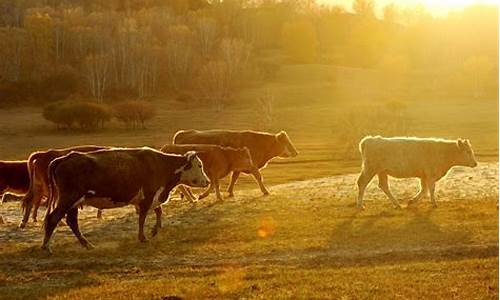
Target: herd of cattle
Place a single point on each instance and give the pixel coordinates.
(108, 177)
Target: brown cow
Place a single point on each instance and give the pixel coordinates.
(263, 147)
(14, 178)
(218, 162)
(114, 178)
(38, 164)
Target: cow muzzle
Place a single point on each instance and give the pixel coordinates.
(200, 183)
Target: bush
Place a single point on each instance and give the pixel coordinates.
(85, 115)
(133, 113)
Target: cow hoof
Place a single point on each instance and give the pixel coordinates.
(88, 245)
(266, 193)
(360, 207)
(35, 220)
(154, 231)
(230, 195)
(46, 249)
(22, 225)
(397, 206)
(143, 240)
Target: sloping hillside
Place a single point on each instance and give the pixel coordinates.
(305, 240)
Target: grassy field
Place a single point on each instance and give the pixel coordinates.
(306, 240)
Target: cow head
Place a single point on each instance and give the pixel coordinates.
(286, 146)
(466, 155)
(242, 160)
(192, 173)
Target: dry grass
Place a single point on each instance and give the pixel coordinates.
(304, 241)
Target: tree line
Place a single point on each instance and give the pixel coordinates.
(208, 50)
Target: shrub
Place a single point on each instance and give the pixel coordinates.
(85, 115)
(133, 113)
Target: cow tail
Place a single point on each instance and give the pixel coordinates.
(175, 139)
(362, 144)
(31, 175)
(52, 189)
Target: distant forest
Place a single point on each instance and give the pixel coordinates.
(111, 50)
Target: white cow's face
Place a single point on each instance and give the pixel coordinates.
(287, 146)
(466, 157)
(192, 173)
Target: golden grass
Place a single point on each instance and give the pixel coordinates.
(313, 248)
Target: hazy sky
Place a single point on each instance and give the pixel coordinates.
(436, 7)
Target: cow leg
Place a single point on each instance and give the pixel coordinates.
(363, 180)
(207, 191)
(383, 184)
(258, 177)
(72, 221)
(51, 221)
(230, 188)
(99, 214)
(157, 226)
(27, 203)
(421, 193)
(432, 186)
(35, 208)
(216, 184)
(187, 193)
(144, 207)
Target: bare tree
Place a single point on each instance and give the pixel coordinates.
(214, 83)
(97, 72)
(235, 53)
(13, 52)
(179, 55)
(206, 31)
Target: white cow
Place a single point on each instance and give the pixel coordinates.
(403, 157)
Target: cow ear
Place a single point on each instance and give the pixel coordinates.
(281, 135)
(460, 143)
(190, 155)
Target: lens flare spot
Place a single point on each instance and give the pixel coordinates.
(267, 227)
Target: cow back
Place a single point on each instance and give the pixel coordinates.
(262, 146)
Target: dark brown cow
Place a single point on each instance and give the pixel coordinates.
(114, 178)
(218, 162)
(263, 147)
(14, 178)
(38, 165)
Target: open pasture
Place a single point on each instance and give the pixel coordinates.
(306, 240)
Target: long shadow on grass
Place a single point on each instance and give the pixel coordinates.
(391, 237)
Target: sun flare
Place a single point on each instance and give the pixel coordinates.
(441, 7)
